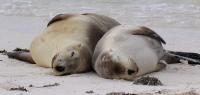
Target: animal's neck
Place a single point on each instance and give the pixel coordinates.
(86, 51)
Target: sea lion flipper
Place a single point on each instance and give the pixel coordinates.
(21, 55)
(59, 17)
(148, 32)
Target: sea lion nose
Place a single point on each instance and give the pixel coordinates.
(59, 68)
(130, 71)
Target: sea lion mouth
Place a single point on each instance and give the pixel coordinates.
(130, 71)
(61, 73)
(64, 74)
(60, 68)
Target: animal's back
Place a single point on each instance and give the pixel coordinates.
(141, 50)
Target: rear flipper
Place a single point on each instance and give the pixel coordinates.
(195, 56)
(21, 54)
(177, 57)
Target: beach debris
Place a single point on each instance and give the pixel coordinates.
(20, 88)
(120, 93)
(20, 49)
(3, 52)
(30, 85)
(192, 92)
(89, 92)
(148, 81)
(48, 85)
(159, 92)
(183, 93)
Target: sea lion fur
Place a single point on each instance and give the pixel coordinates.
(126, 52)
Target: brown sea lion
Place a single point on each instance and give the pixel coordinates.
(67, 44)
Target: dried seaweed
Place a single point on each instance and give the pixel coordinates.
(148, 81)
(120, 93)
(20, 88)
(48, 85)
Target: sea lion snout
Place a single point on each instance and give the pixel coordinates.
(64, 67)
(113, 65)
(65, 61)
(129, 71)
(110, 65)
(60, 68)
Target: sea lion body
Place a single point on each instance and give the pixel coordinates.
(126, 52)
(70, 37)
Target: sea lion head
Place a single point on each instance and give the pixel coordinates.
(114, 65)
(70, 60)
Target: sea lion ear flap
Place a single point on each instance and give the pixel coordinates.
(59, 17)
(150, 33)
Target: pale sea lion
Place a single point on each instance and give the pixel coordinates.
(67, 44)
(126, 52)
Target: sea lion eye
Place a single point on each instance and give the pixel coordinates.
(72, 54)
(130, 72)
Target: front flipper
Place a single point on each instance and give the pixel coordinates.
(148, 32)
(21, 54)
(59, 17)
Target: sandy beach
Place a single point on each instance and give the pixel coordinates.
(18, 31)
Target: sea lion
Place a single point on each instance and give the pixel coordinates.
(126, 52)
(68, 42)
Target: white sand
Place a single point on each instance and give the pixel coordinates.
(17, 31)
